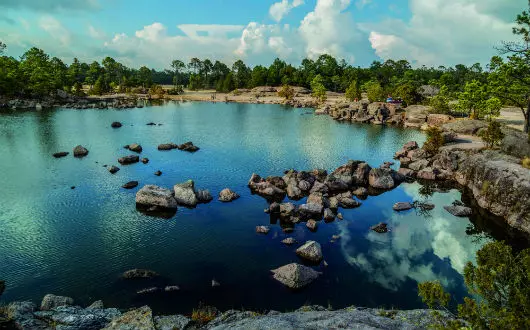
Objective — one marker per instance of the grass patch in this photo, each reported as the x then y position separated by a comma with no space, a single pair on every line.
203,315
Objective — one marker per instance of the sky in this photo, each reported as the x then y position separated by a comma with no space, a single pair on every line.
155,32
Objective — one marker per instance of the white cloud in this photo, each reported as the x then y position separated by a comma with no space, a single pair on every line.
280,9
329,30
96,33
55,29
445,31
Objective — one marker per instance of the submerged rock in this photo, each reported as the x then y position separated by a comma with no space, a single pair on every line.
116,124
185,194
147,290
139,273
131,159
295,276
130,185
380,228
51,301
113,169
262,229
158,173
226,195
459,210
311,251
145,160
204,196
289,241
402,206
151,195
80,151
61,154
215,283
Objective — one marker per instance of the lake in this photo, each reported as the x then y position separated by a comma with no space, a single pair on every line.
77,242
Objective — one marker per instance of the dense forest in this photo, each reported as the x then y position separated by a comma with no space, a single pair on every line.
473,90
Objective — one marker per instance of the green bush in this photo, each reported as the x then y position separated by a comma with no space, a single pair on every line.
440,102
500,287
353,92
435,140
287,92
374,91
526,162
492,135
318,88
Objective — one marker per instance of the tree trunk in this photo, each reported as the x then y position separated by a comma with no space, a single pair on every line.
526,115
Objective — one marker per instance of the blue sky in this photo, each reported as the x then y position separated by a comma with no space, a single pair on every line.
140,32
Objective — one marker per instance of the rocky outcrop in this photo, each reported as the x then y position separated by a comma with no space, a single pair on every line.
167,146
295,276
151,195
271,189
311,251
188,146
185,194
141,318
51,301
497,181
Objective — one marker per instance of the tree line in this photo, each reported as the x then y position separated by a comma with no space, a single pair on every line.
478,91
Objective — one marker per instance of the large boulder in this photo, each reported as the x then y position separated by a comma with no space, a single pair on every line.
311,251
465,126
459,210
167,146
439,119
127,160
515,143
203,195
116,124
336,185
80,151
135,147
171,322
381,178
75,317
188,146
226,195
416,115
130,185
293,191
185,194
310,211
141,318
295,276
287,209
402,206
51,301
277,181
151,195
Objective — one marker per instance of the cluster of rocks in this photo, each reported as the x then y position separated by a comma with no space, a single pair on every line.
65,315
154,198
188,146
497,181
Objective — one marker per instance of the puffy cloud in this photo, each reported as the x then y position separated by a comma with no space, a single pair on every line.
55,29
280,9
445,31
152,45
329,30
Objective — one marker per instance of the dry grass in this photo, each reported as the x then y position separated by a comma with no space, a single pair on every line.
526,162
203,315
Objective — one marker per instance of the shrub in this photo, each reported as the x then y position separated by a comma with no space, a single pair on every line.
499,285
318,88
526,162
374,91
353,92
435,140
157,90
286,92
492,135
440,102
203,314
177,90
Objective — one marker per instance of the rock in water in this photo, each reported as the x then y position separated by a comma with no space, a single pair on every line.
145,160
167,146
2,287
151,195
340,216
204,196
113,169
171,288
311,224
381,178
459,210
215,283
116,124
135,147
98,304
380,228
329,215
158,173
227,195
311,251
188,146
80,151
147,290
51,301
139,273
130,185
295,276
185,194
262,229
61,154
289,241
402,206
141,318
131,159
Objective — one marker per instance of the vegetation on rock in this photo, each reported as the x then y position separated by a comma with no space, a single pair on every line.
287,92
435,140
492,135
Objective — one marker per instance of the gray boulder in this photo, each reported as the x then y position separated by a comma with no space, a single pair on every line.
141,318
329,215
204,196
311,224
295,276
80,151
131,159
311,251
151,195
381,178
70,317
309,211
130,185
294,192
287,209
263,229
459,210
185,194
51,301
402,206
167,146
171,322
226,195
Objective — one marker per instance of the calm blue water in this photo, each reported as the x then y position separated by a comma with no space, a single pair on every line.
78,242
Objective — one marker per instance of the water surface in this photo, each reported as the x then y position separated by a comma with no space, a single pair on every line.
77,242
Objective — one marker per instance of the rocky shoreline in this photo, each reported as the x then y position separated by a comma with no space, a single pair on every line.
60,313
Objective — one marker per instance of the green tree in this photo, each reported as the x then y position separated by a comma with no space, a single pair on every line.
195,82
476,102
440,102
318,88
2,47
178,66
353,92
145,77
374,91
228,83
435,140
493,134
286,92
499,285
36,72
408,93
93,73
241,74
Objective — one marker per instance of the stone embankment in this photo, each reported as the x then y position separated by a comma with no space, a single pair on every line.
60,313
